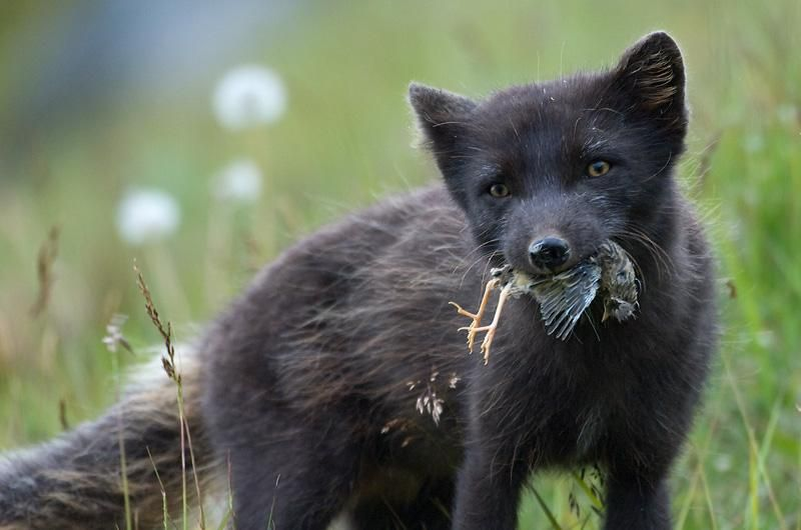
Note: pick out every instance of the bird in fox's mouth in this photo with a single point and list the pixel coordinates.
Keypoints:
(563, 297)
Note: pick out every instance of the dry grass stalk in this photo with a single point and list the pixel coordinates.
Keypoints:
(44, 271)
(170, 368)
(165, 330)
(62, 415)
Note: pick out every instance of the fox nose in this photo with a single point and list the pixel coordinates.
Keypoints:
(549, 252)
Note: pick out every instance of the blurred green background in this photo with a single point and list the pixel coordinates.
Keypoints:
(98, 100)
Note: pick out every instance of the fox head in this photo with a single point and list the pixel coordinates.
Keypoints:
(546, 172)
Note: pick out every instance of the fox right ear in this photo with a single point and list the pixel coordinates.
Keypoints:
(442, 118)
(652, 71)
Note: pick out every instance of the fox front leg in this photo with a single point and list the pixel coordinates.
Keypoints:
(633, 502)
(490, 482)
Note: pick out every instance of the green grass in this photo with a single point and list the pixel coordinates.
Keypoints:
(346, 139)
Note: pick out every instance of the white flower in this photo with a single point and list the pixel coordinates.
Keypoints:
(249, 95)
(146, 215)
(239, 181)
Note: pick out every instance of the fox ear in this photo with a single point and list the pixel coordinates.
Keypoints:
(442, 118)
(652, 71)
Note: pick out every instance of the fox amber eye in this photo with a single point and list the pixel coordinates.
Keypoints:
(499, 190)
(598, 168)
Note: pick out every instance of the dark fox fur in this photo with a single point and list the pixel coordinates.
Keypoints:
(309, 385)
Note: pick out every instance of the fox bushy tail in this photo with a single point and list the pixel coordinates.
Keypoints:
(76, 480)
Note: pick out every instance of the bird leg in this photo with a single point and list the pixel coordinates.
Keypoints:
(486, 344)
(474, 326)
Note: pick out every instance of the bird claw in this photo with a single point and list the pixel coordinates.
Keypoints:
(476, 317)
(475, 326)
(462, 311)
(486, 344)
(471, 330)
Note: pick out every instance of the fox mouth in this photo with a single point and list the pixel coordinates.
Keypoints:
(573, 261)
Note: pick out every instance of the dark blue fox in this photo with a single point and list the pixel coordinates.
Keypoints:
(339, 388)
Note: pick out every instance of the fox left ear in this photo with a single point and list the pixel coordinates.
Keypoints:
(443, 119)
(438, 110)
(652, 71)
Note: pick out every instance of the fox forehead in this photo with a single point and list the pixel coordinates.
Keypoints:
(574, 108)
(545, 139)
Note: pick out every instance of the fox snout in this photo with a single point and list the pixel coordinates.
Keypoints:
(550, 237)
(549, 253)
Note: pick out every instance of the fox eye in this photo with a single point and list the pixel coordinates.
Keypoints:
(499, 190)
(598, 168)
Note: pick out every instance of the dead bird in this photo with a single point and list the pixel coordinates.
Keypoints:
(563, 297)
(618, 282)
